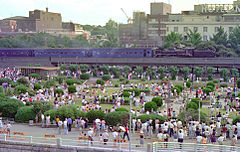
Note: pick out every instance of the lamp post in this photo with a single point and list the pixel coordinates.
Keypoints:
(130, 120)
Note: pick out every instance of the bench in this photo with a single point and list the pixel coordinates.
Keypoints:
(18, 135)
(50, 137)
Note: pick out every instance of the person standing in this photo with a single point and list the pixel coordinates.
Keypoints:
(42, 116)
(90, 134)
(48, 120)
(59, 126)
(126, 133)
(105, 137)
(1, 124)
(134, 124)
(213, 136)
(9, 126)
(141, 138)
(69, 123)
(65, 126)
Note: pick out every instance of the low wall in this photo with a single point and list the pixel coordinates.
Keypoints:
(7, 146)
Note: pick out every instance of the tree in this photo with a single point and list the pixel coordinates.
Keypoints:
(194, 37)
(80, 41)
(139, 70)
(126, 69)
(161, 71)
(185, 71)
(221, 37)
(235, 73)
(84, 68)
(224, 74)
(105, 69)
(198, 71)
(73, 68)
(210, 72)
(174, 71)
(172, 38)
(234, 39)
(112, 33)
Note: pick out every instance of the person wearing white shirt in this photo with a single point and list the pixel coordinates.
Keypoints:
(134, 124)
(220, 139)
(115, 135)
(160, 136)
(180, 136)
(199, 139)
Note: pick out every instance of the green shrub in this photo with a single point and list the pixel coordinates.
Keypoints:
(193, 114)
(207, 90)
(215, 81)
(192, 105)
(224, 85)
(100, 81)
(21, 89)
(126, 94)
(150, 105)
(24, 114)
(180, 87)
(136, 91)
(31, 94)
(177, 90)
(116, 85)
(144, 118)
(238, 83)
(9, 107)
(60, 79)
(14, 84)
(49, 84)
(72, 89)
(211, 84)
(85, 76)
(121, 79)
(127, 100)
(134, 77)
(1, 90)
(34, 75)
(143, 79)
(5, 80)
(106, 77)
(126, 81)
(210, 87)
(42, 106)
(52, 113)
(121, 109)
(196, 100)
(23, 81)
(59, 92)
(236, 119)
(70, 81)
(188, 84)
(94, 114)
(37, 86)
(117, 118)
(158, 101)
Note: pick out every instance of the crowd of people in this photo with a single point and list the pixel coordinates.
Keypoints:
(217, 130)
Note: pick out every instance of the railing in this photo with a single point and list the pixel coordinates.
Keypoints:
(182, 147)
(74, 142)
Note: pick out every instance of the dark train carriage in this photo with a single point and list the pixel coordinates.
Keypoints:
(204, 53)
(15, 52)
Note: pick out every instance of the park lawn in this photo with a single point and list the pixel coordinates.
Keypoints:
(207, 111)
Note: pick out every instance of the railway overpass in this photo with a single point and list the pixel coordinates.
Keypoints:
(167, 61)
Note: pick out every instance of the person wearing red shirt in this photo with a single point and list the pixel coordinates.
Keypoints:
(126, 133)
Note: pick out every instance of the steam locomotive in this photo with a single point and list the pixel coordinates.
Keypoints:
(106, 53)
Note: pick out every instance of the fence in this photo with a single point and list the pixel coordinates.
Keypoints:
(183, 147)
(77, 142)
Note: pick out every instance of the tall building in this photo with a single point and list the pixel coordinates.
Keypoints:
(8, 26)
(160, 8)
(135, 34)
(45, 20)
(156, 27)
(205, 19)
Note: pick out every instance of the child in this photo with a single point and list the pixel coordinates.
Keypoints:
(175, 137)
(101, 138)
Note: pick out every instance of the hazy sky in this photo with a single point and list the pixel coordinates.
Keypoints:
(93, 11)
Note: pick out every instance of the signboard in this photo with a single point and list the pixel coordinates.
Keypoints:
(220, 8)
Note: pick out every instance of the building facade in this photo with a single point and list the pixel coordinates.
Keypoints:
(205, 19)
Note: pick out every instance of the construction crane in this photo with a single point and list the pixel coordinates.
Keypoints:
(129, 20)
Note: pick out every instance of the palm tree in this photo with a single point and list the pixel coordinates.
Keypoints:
(172, 38)
(194, 37)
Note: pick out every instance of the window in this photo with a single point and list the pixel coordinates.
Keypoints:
(205, 38)
(175, 29)
(230, 29)
(216, 29)
(185, 29)
(205, 29)
(195, 29)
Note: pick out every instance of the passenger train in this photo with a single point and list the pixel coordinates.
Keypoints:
(106, 53)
